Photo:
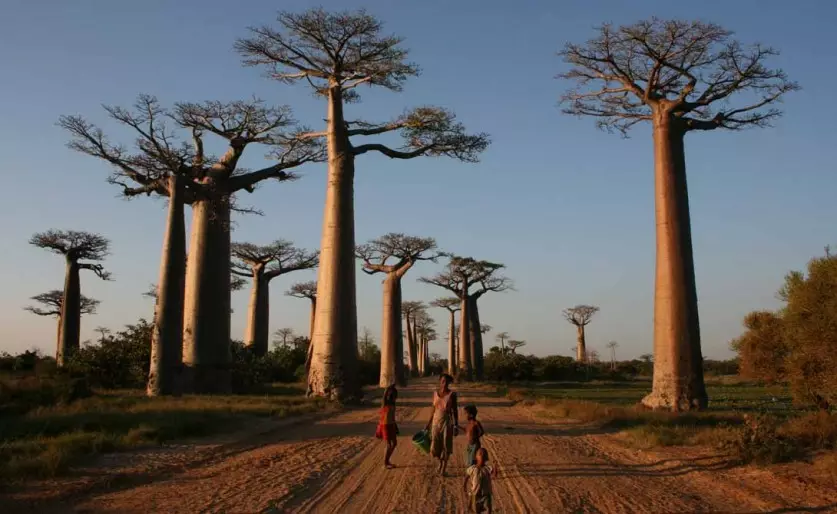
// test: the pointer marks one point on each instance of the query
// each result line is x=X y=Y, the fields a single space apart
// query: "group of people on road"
x=442 y=427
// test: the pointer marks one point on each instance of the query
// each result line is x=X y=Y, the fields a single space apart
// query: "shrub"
x=120 y=361
x=19 y=395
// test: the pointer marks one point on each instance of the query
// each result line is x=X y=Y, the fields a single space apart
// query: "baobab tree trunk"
x=333 y=371
x=678 y=361
x=206 y=321
x=466 y=370
x=310 y=335
x=255 y=338
x=391 y=330
x=476 y=340
x=167 y=334
x=69 y=332
x=400 y=374
x=411 y=349
x=452 y=344
x=581 y=347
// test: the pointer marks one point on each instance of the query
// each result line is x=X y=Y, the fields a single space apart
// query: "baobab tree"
x=262 y=264
x=76 y=247
x=393 y=254
x=306 y=290
x=283 y=335
x=409 y=311
x=458 y=277
x=612 y=345
x=52 y=302
x=335 y=53
x=580 y=316
x=682 y=77
x=425 y=332
x=452 y=305
x=514 y=344
x=502 y=337
x=184 y=174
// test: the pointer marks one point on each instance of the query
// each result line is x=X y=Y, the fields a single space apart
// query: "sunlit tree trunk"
x=310 y=335
x=678 y=373
x=258 y=314
x=167 y=336
x=476 y=340
x=581 y=344
x=391 y=330
x=466 y=370
x=412 y=357
x=206 y=326
x=333 y=371
x=452 y=344
x=69 y=333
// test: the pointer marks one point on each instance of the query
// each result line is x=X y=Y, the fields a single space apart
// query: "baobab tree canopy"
x=580 y=315
x=303 y=290
x=691 y=69
x=276 y=258
x=394 y=253
x=53 y=300
x=76 y=246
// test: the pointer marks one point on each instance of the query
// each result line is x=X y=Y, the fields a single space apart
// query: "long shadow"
x=785 y=510
x=684 y=467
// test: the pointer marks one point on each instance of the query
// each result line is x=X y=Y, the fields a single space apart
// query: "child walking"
x=478 y=483
x=387 y=429
x=473 y=433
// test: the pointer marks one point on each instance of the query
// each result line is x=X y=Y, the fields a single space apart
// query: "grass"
x=755 y=423
x=46 y=441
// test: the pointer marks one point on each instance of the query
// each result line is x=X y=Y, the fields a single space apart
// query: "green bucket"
x=422 y=441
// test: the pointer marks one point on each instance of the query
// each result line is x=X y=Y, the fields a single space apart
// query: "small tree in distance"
x=580 y=316
x=612 y=345
x=514 y=344
x=502 y=337
x=52 y=302
x=306 y=290
x=682 y=77
x=282 y=336
x=75 y=246
x=452 y=305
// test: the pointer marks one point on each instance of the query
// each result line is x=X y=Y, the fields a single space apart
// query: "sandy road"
x=335 y=465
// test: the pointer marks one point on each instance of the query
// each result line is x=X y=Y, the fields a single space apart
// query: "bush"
x=120 y=361
x=19 y=395
x=509 y=367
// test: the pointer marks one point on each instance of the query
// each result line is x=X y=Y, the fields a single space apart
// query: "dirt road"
x=334 y=465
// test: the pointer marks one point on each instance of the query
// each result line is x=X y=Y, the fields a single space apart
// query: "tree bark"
x=333 y=371
x=466 y=370
x=581 y=346
x=452 y=345
x=258 y=314
x=70 y=331
x=167 y=336
x=411 y=349
x=310 y=336
x=391 y=330
x=476 y=339
x=206 y=326
x=678 y=362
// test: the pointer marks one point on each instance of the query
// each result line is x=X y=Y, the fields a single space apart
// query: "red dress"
x=387 y=429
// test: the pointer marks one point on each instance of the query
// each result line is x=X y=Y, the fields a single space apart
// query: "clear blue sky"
x=567 y=208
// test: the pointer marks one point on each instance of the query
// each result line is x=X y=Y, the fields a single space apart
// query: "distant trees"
x=502 y=337
x=75 y=247
x=261 y=264
x=409 y=310
x=335 y=53
x=283 y=335
x=580 y=316
x=514 y=344
x=52 y=303
x=452 y=305
x=306 y=290
x=393 y=255
x=612 y=345
x=682 y=77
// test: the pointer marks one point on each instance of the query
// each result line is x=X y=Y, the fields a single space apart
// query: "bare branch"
x=303 y=290
x=54 y=300
x=580 y=315
x=75 y=245
x=452 y=304
x=406 y=250
x=462 y=271
x=98 y=269
x=277 y=258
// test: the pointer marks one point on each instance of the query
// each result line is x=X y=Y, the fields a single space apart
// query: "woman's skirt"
x=441 y=443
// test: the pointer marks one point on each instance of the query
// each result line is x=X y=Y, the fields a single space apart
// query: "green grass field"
x=47 y=440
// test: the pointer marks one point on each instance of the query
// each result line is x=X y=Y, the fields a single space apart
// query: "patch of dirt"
x=334 y=464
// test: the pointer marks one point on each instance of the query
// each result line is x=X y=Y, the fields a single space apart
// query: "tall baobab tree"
x=307 y=290
x=162 y=165
x=580 y=316
x=393 y=254
x=460 y=274
x=612 y=345
x=425 y=332
x=52 y=302
x=409 y=311
x=452 y=305
x=502 y=337
x=335 y=52
x=514 y=344
x=262 y=264
x=75 y=247
x=682 y=77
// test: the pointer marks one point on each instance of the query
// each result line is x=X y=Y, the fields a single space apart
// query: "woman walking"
x=444 y=423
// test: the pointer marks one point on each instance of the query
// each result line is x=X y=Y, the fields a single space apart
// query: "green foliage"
x=119 y=361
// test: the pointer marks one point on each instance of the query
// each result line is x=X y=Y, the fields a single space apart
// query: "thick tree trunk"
x=258 y=315
x=70 y=331
x=581 y=346
x=167 y=336
x=452 y=344
x=678 y=362
x=426 y=357
x=333 y=371
x=476 y=340
x=411 y=349
x=310 y=336
x=466 y=369
x=206 y=322
x=391 y=330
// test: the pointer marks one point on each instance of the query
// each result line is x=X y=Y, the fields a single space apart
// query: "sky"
x=567 y=208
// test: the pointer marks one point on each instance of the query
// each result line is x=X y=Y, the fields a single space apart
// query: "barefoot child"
x=473 y=433
x=478 y=483
x=387 y=429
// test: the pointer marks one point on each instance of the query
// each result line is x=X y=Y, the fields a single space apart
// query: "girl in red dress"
x=387 y=429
